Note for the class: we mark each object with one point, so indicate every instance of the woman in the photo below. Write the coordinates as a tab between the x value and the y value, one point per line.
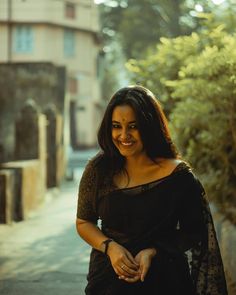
157	234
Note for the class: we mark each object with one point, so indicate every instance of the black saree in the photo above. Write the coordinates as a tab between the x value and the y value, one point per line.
172	215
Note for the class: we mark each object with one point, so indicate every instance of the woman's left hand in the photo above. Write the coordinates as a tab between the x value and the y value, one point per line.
144	259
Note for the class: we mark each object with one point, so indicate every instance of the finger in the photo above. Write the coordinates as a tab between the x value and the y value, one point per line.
129	279
117	271
126	271
144	271
130	269
131	259
132	280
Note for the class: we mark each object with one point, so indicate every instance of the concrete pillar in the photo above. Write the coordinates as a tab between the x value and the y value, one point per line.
28	192
30	137
55	158
6	196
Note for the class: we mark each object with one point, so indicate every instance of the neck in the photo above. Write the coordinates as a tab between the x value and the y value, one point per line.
137	162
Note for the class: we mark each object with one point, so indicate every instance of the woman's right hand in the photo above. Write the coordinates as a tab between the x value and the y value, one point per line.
123	262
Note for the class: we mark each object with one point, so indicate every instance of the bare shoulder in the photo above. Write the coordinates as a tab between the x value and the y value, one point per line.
171	164
165	167
175	162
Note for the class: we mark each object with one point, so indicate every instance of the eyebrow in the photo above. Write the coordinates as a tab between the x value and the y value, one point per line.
131	122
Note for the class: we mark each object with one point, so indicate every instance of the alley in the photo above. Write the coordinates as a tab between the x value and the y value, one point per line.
44	254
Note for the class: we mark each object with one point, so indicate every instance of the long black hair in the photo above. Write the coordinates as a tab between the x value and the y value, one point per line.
151	123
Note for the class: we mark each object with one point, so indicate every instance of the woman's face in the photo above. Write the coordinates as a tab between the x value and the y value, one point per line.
125	134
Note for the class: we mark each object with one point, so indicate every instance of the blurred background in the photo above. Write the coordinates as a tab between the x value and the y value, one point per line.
60	62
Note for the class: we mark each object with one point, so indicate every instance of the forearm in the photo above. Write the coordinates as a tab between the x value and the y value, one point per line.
91	234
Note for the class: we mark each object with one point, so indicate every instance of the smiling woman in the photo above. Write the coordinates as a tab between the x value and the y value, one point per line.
152	207
125	134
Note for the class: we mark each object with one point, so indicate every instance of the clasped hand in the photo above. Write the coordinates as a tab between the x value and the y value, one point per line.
129	268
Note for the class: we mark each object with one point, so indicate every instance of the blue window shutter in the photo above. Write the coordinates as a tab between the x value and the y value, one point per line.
29	39
17	42
69	43
23	39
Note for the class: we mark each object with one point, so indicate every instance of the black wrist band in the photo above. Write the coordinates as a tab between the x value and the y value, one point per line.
106	243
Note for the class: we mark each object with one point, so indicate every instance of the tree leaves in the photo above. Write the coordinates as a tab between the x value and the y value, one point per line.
195	78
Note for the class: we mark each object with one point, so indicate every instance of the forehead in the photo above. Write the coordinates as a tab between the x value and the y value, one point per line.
123	113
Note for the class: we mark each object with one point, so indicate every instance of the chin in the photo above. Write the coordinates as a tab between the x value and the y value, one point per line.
123	153
126	153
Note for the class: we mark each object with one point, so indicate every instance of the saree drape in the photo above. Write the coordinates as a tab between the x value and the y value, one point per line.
170	214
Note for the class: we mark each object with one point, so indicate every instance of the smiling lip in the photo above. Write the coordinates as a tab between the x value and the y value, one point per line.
126	143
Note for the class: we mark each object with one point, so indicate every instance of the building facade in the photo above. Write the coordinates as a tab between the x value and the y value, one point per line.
65	33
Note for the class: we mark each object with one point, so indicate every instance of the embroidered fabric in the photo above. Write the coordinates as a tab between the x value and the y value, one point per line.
88	193
207	267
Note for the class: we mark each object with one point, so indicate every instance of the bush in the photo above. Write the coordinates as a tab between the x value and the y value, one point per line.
196	80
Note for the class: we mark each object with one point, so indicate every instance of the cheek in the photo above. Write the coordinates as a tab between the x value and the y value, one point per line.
137	135
139	138
113	135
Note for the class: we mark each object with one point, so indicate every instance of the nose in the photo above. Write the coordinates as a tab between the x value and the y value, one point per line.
124	134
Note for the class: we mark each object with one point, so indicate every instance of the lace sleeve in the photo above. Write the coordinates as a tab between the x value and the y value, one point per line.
87	195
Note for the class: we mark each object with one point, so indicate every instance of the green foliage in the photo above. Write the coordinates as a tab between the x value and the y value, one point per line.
160	69
139	24
196	81
144	22
207	106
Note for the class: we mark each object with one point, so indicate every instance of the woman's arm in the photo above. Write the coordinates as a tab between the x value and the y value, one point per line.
122	261
91	234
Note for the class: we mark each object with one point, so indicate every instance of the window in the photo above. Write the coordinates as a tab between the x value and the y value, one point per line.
23	39
69	43
70	10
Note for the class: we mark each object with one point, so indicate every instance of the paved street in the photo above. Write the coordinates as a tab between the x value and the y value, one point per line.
44	254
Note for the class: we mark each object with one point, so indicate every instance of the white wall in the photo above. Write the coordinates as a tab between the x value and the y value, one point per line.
52	11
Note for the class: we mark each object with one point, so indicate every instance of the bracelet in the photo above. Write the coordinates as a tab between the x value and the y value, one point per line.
106	243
